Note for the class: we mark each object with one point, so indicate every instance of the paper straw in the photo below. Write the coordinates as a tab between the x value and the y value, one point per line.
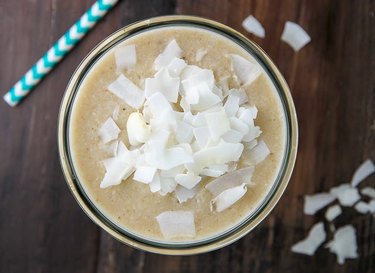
58	51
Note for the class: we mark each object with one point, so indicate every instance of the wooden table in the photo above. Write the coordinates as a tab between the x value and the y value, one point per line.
42	229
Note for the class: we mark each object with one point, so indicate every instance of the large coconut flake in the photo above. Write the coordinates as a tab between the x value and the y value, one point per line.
252	25
176	66
138	131
246	71
176	224
295	36
125	57
126	90
368	191
364	170
171	51
188	180
217	123
315	202
228	197
144	174
332	212
230	180
258	153
344	244
109	131
164	84
182	194
314	239
346	195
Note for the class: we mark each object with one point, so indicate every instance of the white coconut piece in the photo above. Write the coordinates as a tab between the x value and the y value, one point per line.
111	148
241	94
239	126
182	194
176	224
258	153
368	191
253	133
247	116
362	207
245	71
144	174
206	98
156	104
363	171
344	244
252	25
125	57
314	239
109	131
215	170
199	55
184	132
167	185
202	135
230	180
219	154
232	105
116	112
155	185
295	36
137	129
217	123
163	83
346	195
126	90
332	212
224	86
176	66
315	202
171	173
228	197
173	157
194	75
232	136
188	180
171	51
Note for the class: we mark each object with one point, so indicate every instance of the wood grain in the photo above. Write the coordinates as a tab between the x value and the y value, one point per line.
42	229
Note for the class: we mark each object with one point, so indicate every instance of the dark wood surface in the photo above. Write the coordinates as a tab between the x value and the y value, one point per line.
42	229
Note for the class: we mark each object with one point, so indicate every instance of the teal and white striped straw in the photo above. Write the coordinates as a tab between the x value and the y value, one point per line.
58	51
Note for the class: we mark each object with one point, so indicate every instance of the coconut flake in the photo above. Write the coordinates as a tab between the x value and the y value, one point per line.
246	71
176	66
188	180
125	56
252	25
155	185
257	154
364	170
126	90
137	129
295	36
182	194
199	55
368	191
229	180
241	94
228	197
217	123
144	174
171	51
109	131
362	207
314	239
344	244
332	212
315	202
116	112
176	224
164	84
346	195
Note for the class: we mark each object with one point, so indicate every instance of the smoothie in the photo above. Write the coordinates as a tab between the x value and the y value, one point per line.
132	205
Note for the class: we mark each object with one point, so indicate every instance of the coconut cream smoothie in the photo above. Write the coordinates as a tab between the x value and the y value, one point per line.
177	134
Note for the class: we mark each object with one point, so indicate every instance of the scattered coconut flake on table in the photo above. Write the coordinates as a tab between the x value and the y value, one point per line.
314	239
368	191
125	57
346	195
364	170
344	244
109	131
252	25
315	202
332	212
228	197
176	224
362	207
295	36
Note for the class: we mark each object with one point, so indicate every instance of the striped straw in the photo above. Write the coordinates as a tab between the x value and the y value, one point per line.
58	51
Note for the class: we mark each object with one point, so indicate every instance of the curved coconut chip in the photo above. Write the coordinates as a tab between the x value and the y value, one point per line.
295	36
228	197
245	71
126	90
176	224
314	239
252	25
332	212
364	170
344	244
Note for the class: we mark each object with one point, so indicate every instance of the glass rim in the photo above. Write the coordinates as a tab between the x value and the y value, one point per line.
229	235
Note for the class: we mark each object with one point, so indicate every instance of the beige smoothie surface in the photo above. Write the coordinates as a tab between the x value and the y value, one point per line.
131	205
